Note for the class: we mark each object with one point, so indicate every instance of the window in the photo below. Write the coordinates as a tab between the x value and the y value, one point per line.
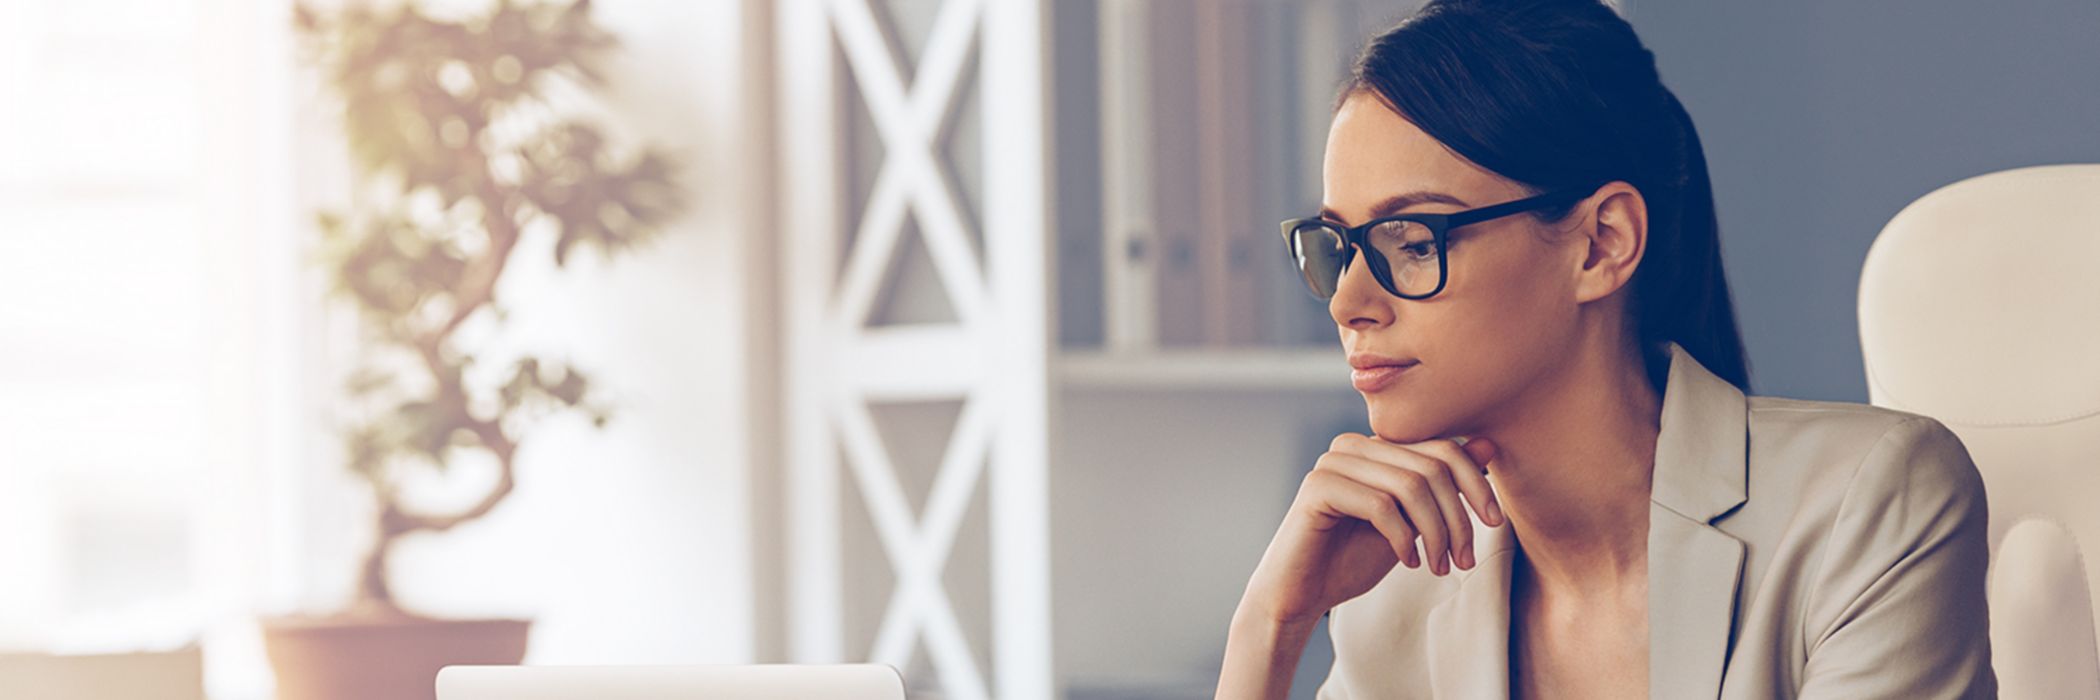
134	413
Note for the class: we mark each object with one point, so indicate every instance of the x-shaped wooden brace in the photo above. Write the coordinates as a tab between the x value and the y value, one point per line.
910	124
919	552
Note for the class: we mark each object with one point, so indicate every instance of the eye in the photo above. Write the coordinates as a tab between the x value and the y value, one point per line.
1405	242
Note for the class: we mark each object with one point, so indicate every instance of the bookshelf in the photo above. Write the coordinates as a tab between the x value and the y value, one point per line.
1063	382
1302	370
1195	379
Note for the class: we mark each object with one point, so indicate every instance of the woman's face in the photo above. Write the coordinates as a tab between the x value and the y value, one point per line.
1508	311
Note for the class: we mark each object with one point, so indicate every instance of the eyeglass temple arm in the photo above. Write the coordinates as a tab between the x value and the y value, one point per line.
1475	216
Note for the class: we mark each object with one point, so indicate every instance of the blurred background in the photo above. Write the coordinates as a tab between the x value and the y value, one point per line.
946	333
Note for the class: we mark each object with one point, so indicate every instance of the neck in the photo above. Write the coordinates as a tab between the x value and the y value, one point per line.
1573	472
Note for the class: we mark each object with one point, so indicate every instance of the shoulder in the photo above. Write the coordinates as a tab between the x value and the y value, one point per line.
1865	451
1883	544
1841	425
1872	458
1840	494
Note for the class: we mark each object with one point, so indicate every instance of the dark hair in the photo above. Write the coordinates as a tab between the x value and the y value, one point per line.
1561	93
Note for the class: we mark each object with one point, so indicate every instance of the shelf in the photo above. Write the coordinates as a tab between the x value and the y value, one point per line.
1199	369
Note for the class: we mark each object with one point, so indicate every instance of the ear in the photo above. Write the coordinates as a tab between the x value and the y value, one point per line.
1617	236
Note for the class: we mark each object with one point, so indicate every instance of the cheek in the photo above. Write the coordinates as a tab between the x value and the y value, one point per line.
1503	289
1494	329
1507	308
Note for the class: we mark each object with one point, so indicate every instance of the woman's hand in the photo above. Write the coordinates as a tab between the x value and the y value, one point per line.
1359	512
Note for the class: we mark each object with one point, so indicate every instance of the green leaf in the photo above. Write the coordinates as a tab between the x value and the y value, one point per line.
419	96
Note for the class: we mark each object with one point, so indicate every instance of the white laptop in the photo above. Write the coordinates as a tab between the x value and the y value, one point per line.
724	682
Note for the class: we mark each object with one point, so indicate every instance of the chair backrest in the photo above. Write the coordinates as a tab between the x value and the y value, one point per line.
1979	305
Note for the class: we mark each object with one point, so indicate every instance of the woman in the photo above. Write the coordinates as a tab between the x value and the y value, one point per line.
1520	254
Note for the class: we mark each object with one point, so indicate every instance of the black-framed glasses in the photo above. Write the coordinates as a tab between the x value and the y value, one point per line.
1406	252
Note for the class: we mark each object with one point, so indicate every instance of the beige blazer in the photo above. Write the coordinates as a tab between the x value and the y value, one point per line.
1795	549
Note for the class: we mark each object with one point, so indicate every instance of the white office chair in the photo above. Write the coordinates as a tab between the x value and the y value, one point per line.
1979	305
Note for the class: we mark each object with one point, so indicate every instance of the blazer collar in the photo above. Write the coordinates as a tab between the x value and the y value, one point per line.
1702	464
1700	454
1694	569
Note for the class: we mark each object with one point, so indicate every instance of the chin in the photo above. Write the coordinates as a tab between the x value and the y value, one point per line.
1393	422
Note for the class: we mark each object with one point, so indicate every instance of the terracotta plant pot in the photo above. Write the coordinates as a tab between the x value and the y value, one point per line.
384	654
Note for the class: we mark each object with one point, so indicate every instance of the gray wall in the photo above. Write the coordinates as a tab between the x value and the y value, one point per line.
1823	119
1820	119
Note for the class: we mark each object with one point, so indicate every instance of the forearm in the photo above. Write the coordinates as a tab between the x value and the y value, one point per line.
1260	656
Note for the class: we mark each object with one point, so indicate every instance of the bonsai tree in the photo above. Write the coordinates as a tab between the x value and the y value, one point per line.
465	140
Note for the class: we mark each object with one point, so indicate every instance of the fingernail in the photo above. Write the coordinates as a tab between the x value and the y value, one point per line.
1467	555
1496	508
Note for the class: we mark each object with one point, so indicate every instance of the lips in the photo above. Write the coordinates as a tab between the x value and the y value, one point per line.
1369	378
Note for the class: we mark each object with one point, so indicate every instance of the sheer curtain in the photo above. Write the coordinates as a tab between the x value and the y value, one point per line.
147	328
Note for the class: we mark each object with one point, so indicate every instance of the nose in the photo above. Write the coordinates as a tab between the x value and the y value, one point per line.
1359	303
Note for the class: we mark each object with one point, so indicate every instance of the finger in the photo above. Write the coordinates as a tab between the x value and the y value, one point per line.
1415	494
1438	474
1339	496
1466	471
1439	478
1482	452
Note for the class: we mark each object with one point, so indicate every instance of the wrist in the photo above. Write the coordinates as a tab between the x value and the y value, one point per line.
1255	622
1261	655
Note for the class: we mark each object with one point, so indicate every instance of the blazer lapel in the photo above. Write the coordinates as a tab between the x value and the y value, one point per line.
1471	657
1694	569
1693	572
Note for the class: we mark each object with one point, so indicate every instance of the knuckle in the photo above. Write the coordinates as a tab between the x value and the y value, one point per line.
1404	532
1388	511
1342	441
1452	453
1386	508
1427	523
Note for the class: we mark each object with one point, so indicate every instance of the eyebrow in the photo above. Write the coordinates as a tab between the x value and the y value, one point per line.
1396	203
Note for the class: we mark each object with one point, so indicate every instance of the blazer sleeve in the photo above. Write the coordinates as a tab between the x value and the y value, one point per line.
1898	607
